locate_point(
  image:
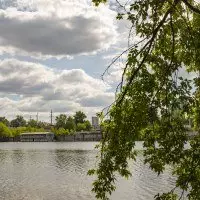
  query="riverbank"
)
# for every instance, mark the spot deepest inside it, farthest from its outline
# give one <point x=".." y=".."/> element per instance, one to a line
<point x="51" y="137"/>
<point x="80" y="136"/>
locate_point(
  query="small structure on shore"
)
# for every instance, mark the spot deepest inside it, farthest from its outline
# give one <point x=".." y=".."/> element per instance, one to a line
<point x="37" y="137"/>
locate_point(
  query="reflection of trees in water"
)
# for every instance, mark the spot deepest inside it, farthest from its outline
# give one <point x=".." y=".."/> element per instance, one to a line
<point x="73" y="160"/>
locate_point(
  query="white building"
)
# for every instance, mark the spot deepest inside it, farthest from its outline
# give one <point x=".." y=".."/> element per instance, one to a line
<point x="95" y="123"/>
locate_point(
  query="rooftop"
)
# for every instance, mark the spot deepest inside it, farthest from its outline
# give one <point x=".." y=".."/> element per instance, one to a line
<point x="36" y="133"/>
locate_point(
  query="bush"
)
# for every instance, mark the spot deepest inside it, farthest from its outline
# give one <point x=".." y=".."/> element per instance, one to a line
<point x="19" y="130"/>
<point x="5" y="131"/>
<point x="81" y="127"/>
<point x="60" y="131"/>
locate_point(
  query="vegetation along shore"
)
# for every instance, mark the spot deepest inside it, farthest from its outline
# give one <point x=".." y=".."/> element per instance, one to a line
<point x="64" y="127"/>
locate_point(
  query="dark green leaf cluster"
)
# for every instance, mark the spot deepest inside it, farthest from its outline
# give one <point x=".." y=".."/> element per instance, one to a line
<point x="18" y="122"/>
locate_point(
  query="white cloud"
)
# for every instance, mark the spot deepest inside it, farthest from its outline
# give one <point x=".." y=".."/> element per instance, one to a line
<point x="55" y="28"/>
<point x="40" y="89"/>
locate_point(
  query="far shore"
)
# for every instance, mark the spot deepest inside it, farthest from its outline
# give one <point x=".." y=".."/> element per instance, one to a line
<point x="83" y="136"/>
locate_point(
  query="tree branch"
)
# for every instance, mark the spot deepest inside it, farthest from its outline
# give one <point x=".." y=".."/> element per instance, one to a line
<point x="191" y="7"/>
<point x="148" y="44"/>
<point x="117" y="57"/>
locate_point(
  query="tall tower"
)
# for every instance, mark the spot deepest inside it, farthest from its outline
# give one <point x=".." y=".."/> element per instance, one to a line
<point x="37" y="117"/>
<point x="51" y="116"/>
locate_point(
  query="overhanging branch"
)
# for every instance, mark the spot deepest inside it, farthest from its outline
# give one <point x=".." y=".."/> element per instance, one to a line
<point x="191" y="7"/>
<point x="148" y="46"/>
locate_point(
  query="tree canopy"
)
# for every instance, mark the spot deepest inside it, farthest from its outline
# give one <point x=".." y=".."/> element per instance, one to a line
<point x="155" y="97"/>
<point x="70" y="124"/>
<point x="76" y="123"/>
<point x="4" y="120"/>
<point x="79" y="117"/>
<point x="32" y="123"/>
<point x="19" y="121"/>
<point x="61" y="121"/>
<point x="4" y="130"/>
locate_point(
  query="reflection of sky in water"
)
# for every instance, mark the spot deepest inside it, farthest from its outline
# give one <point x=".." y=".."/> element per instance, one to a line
<point x="57" y="171"/>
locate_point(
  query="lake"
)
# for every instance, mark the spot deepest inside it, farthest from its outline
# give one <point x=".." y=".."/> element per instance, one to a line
<point x="58" y="171"/>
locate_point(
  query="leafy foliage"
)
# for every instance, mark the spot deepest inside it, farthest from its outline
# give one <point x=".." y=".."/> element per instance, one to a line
<point x="154" y="98"/>
<point x="61" y="121"/>
<point x="32" y="123"/>
<point x="18" y="122"/>
<point x="70" y="124"/>
<point x="4" y="120"/>
<point x="66" y="125"/>
<point x="80" y="127"/>
<point x="13" y="132"/>
<point x="60" y="131"/>
<point x="88" y="125"/>
<point x="79" y="117"/>
<point x="4" y="130"/>
<point x="18" y="130"/>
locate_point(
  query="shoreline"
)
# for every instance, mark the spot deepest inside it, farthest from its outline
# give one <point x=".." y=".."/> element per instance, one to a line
<point x="51" y="137"/>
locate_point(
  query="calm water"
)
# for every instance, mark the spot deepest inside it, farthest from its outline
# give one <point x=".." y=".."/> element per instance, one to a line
<point x="57" y="171"/>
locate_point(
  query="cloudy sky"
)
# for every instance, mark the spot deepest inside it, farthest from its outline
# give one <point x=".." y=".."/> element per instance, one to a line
<point x="52" y="55"/>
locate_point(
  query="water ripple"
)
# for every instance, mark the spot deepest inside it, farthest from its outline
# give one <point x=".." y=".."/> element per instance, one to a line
<point x="57" y="171"/>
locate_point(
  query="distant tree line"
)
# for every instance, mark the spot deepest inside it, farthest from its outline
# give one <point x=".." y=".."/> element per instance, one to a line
<point x="64" y="125"/>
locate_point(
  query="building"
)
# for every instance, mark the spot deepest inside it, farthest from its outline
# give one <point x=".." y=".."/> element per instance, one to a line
<point x="37" y="137"/>
<point x="95" y="123"/>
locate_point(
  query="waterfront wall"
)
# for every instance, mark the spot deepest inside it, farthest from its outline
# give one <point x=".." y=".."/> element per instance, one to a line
<point x="44" y="137"/>
<point x="37" y="137"/>
<point x="10" y="139"/>
<point x="80" y="136"/>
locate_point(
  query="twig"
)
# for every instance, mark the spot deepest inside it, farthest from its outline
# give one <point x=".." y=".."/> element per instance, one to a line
<point x="117" y="57"/>
<point x="148" y="44"/>
<point x="191" y="7"/>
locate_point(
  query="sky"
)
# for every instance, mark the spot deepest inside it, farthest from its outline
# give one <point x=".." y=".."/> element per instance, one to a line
<point x="52" y="56"/>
